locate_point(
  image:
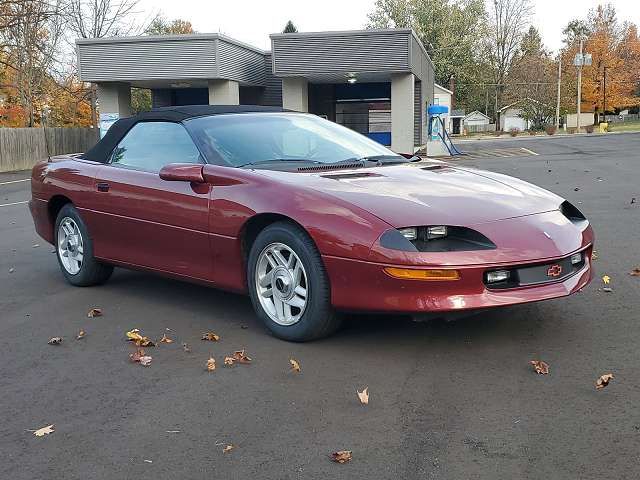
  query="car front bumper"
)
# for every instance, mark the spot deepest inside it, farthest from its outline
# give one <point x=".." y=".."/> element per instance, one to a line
<point x="364" y="286"/>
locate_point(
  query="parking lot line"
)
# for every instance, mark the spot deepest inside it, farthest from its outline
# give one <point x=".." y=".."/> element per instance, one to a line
<point x="529" y="151"/>
<point x="15" y="181"/>
<point x="14" y="203"/>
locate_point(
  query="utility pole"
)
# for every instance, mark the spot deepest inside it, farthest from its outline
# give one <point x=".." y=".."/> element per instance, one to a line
<point x="581" y="61"/>
<point x="604" y="95"/>
<point x="558" y="99"/>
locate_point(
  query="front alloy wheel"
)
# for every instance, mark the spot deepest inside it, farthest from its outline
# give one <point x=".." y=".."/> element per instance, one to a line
<point x="281" y="283"/>
<point x="288" y="284"/>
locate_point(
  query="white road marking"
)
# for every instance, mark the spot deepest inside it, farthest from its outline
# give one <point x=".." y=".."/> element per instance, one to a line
<point x="15" y="181"/>
<point x="530" y="151"/>
<point x="14" y="203"/>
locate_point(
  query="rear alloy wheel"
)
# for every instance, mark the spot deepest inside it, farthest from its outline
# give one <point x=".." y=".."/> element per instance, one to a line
<point x="70" y="246"/>
<point x="74" y="250"/>
<point x="288" y="284"/>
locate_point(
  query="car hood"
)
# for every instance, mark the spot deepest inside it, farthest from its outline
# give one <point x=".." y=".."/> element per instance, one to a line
<point x="430" y="193"/>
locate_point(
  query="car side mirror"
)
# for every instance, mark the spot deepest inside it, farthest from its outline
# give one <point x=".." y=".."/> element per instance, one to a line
<point x="182" y="172"/>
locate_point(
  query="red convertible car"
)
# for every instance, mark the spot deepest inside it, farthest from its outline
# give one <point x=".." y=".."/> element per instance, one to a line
<point x="308" y="217"/>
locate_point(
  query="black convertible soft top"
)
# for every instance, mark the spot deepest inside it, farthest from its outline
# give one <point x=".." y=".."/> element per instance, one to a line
<point x="101" y="150"/>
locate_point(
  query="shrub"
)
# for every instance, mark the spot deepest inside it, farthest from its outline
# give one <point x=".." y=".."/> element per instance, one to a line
<point x="571" y="130"/>
<point x="514" y="132"/>
<point x="532" y="131"/>
<point x="498" y="133"/>
<point x="589" y="128"/>
<point x="550" y="129"/>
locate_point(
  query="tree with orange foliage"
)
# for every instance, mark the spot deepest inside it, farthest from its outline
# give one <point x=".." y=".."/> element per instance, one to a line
<point x="615" y="51"/>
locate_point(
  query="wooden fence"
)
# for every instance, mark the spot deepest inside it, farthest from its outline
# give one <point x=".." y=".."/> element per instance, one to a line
<point x="21" y="148"/>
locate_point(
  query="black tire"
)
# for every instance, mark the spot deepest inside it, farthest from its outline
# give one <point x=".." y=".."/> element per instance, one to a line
<point x="318" y="319"/>
<point x="91" y="271"/>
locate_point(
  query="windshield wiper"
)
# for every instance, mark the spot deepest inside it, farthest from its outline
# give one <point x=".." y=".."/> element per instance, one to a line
<point x="279" y="160"/>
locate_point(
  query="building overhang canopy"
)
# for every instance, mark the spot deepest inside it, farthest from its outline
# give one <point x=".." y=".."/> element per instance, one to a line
<point x="157" y="61"/>
<point x="333" y="57"/>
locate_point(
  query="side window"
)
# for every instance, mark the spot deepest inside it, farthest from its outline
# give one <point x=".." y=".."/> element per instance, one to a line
<point x="152" y="145"/>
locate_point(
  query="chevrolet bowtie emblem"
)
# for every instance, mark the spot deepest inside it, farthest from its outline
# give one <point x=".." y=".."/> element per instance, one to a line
<point x="554" y="271"/>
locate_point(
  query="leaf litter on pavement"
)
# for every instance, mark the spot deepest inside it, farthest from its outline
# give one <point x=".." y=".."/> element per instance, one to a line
<point x="540" y="367"/>
<point x="41" y="432"/>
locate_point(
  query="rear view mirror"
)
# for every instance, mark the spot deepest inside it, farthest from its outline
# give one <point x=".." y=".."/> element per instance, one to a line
<point x="182" y="172"/>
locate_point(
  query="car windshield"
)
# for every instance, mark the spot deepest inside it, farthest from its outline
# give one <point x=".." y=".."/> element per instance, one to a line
<point x="277" y="138"/>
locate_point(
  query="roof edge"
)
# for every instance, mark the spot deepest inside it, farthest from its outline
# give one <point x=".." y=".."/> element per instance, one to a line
<point x="331" y="33"/>
<point x="168" y="38"/>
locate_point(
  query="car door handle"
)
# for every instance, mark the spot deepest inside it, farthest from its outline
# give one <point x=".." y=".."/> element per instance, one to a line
<point x="102" y="187"/>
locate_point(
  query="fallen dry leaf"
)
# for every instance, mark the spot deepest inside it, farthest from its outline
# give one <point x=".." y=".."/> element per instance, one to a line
<point x="364" y="396"/>
<point x="607" y="289"/>
<point x="606" y="279"/>
<point x="134" y="334"/>
<point x="146" y="342"/>
<point x="603" y="381"/>
<point x="635" y="272"/>
<point x="210" y="336"/>
<point x="186" y="347"/>
<point x="229" y="361"/>
<point x="135" y="356"/>
<point x="295" y="365"/>
<point x="594" y="254"/>
<point x="165" y="339"/>
<point x="145" y="360"/>
<point x="11" y="270"/>
<point x="211" y="364"/>
<point x="139" y="340"/>
<point x="540" y="367"/>
<point x="94" y="312"/>
<point x="55" y="341"/>
<point x="44" y="431"/>
<point x="343" y="456"/>
<point x="81" y="335"/>
<point x="228" y="448"/>
<point x="240" y="357"/>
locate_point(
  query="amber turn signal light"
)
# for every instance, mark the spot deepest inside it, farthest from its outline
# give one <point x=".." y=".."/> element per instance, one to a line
<point x="422" y="274"/>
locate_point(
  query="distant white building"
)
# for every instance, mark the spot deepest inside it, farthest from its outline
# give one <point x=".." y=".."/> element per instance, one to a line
<point x="476" y="118"/>
<point x="511" y="118"/>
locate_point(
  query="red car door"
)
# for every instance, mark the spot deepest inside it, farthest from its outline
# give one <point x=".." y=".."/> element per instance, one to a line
<point x="139" y="219"/>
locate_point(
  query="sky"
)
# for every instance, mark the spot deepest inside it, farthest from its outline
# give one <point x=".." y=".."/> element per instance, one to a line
<point x="252" y="21"/>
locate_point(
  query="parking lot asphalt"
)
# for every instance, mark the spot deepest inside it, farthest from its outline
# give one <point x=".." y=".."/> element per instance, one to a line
<point x="448" y="400"/>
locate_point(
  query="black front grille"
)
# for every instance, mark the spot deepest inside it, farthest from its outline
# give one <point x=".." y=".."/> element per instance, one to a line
<point x="537" y="274"/>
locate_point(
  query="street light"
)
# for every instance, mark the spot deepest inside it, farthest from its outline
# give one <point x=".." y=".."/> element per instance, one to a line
<point x="579" y="61"/>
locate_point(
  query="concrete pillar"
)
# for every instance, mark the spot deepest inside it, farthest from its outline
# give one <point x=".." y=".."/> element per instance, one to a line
<point x="114" y="98"/>
<point x="402" y="110"/>
<point x="224" y="92"/>
<point x="295" y="94"/>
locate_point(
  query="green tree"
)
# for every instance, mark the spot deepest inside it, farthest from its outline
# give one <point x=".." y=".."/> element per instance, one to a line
<point x="140" y="100"/>
<point x="532" y="78"/>
<point x="452" y="31"/>
<point x="290" y="28"/>
<point x="162" y="26"/>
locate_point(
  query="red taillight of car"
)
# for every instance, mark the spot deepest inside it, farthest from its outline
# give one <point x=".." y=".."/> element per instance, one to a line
<point x="422" y="274"/>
